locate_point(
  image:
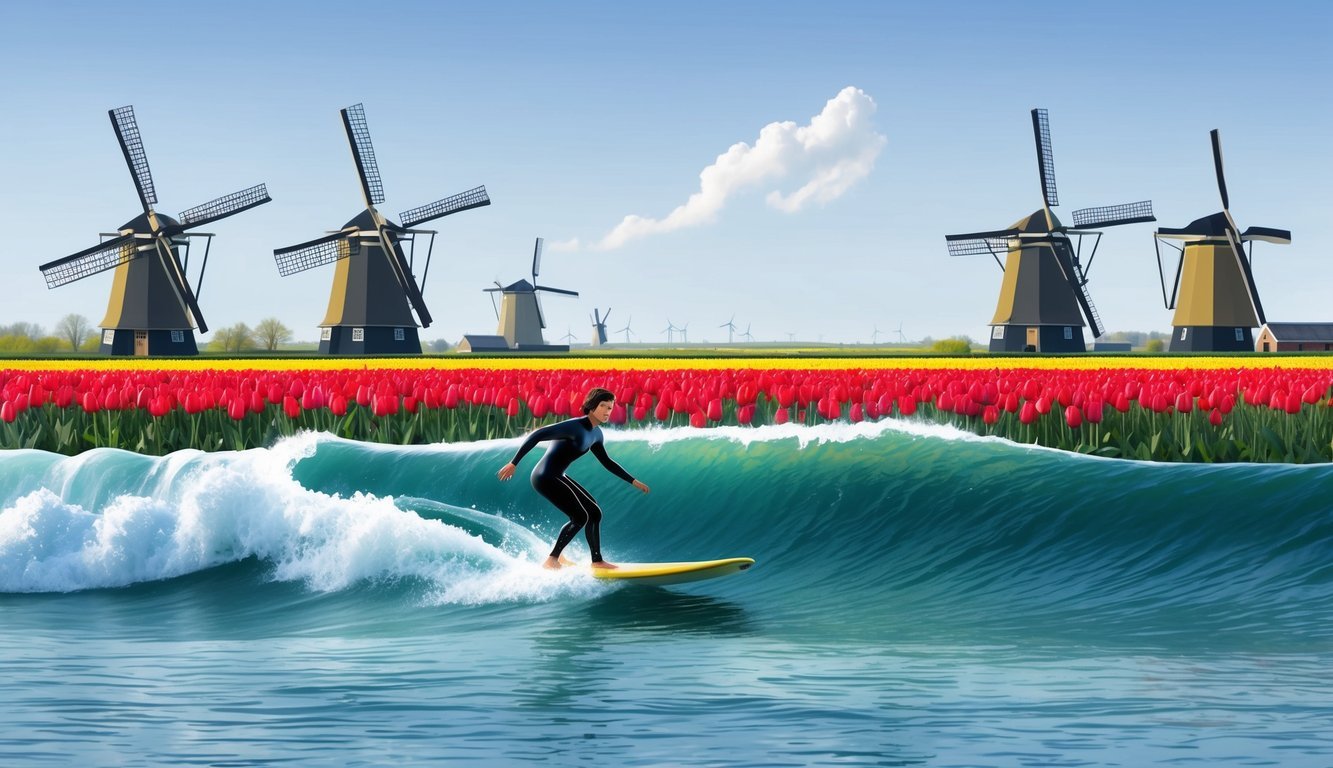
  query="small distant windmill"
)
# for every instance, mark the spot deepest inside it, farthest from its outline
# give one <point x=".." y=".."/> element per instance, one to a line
<point x="599" y="327"/>
<point x="569" y="336"/>
<point x="902" y="339"/>
<point x="747" y="335"/>
<point x="521" y="319"/>
<point x="730" y="325"/>
<point x="874" y="336"/>
<point x="1044" y="297"/>
<point x="684" y="333"/>
<point x="1218" y="302"/>
<point x="153" y="309"/>
<point x="626" y="329"/>
<point x="373" y="282"/>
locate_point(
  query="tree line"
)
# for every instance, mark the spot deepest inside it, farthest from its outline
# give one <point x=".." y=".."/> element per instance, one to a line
<point x="75" y="333"/>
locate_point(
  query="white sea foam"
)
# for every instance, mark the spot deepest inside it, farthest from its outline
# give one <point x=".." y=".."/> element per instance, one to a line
<point x="193" y="511"/>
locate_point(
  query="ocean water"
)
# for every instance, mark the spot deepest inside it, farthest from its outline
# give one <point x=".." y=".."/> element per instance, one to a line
<point x="921" y="597"/>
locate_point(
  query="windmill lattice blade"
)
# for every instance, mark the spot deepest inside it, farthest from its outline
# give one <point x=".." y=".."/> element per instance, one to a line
<point x="1217" y="166"/>
<point x="1041" y="130"/>
<point x="1114" y="215"/>
<point x="473" y="198"/>
<point x="225" y="206"/>
<point x="127" y="132"/>
<point x="90" y="261"/>
<point x="975" y="243"/>
<point x="315" y="253"/>
<point x="536" y="259"/>
<point x="358" y="135"/>
<point x="981" y="245"/>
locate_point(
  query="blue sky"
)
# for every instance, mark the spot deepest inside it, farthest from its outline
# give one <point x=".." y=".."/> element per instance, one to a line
<point x="577" y="115"/>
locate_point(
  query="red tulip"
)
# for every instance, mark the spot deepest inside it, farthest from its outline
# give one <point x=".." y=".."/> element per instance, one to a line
<point x="990" y="415"/>
<point x="1293" y="404"/>
<point x="1215" y="418"/>
<point x="781" y="417"/>
<point x="7" y="412"/>
<point x="338" y="405"/>
<point x="1093" y="410"/>
<point x="907" y="405"/>
<point x="1043" y="405"/>
<point x="1184" y="402"/>
<point x="387" y="405"/>
<point x="697" y="419"/>
<point x="237" y="409"/>
<point x="291" y="407"/>
<point x="1028" y="413"/>
<point x="1073" y="417"/>
<point x="715" y="409"/>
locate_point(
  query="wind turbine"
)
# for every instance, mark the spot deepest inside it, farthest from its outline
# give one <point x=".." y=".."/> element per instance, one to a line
<point x="901" y="338"/>
<point x="670" y="331"/>
<point x="569" y="335"/>
<point x="874" y="337"/>
<point x="730" y="325"/>
<point x="626" y="330"/>
<point x="747" y="335"/>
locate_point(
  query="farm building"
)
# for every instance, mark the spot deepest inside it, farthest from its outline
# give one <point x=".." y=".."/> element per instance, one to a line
<point x="1295" y="337"/>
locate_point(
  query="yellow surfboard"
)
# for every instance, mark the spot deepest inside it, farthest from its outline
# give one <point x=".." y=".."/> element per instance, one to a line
<point x="673" y="573"/>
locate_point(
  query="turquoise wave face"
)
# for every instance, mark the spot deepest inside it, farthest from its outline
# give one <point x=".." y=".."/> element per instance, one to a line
<point x="864" y="531"/>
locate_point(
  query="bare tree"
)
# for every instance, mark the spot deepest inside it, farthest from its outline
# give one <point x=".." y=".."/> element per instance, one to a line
<point x="271" y="332"/>
<point x="74" y="329"/>
<point x="233" y="338"/>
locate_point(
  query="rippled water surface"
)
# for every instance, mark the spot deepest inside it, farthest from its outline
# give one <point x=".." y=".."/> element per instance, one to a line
<point x="921" y="598"/>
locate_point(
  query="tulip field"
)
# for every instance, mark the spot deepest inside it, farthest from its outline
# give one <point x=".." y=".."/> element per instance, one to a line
<point x="1195" y="409"/>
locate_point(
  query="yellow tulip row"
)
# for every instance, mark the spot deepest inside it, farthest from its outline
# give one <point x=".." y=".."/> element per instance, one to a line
<point x="461" y="362"/>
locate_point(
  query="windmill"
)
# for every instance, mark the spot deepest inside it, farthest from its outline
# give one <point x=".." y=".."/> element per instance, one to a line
<point x="730" y="325"/>
<point x="374" y="288"/>
<point x="520" y="315"/>
<point x="153" y="309"/>
<point x="1043" y="297"/>
<point x="902" y="339"/>
<point x="569" y="335"/>
<point x="684" y="333"/>
<point x="599" y="327"/>
<point x="626" y="329"/>
<point x="670" y="330"/>
<point x="874" y="336"/>
<point x="1216" y="302"/>
<point x="747" y="335"/>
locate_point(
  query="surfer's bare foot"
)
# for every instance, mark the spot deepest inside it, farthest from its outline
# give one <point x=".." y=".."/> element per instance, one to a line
<point x="604" y="564"/>
<point x="552" y="564"/>
<point x="565" y="560"/>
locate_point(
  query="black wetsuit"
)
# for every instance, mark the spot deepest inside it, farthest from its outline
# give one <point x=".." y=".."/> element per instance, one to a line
<point x="572" y="439"/>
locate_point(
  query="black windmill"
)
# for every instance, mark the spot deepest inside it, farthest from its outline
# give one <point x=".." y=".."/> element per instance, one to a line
<point x="374" y="288"/>
<point x="599" y="326"/>
<point x="1044" y="298"/>
<point x="153" y="308"/>
<point x="520" y="313"/>
<point x="1216" y="302"/>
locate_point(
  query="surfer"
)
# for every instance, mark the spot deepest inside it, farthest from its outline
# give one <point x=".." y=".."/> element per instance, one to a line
<point x="573" y="438"/>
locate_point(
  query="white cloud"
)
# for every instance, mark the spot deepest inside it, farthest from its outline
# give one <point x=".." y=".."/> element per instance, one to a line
<point x="825" y="158"/>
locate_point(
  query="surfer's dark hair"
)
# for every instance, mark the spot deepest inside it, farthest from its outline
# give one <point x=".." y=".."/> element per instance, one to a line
<point x="596" y="396"/>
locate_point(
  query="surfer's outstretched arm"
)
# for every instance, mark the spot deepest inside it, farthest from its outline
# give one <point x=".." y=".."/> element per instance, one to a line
<point x="599" y="450"/>
<point x="548" y="432"/>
